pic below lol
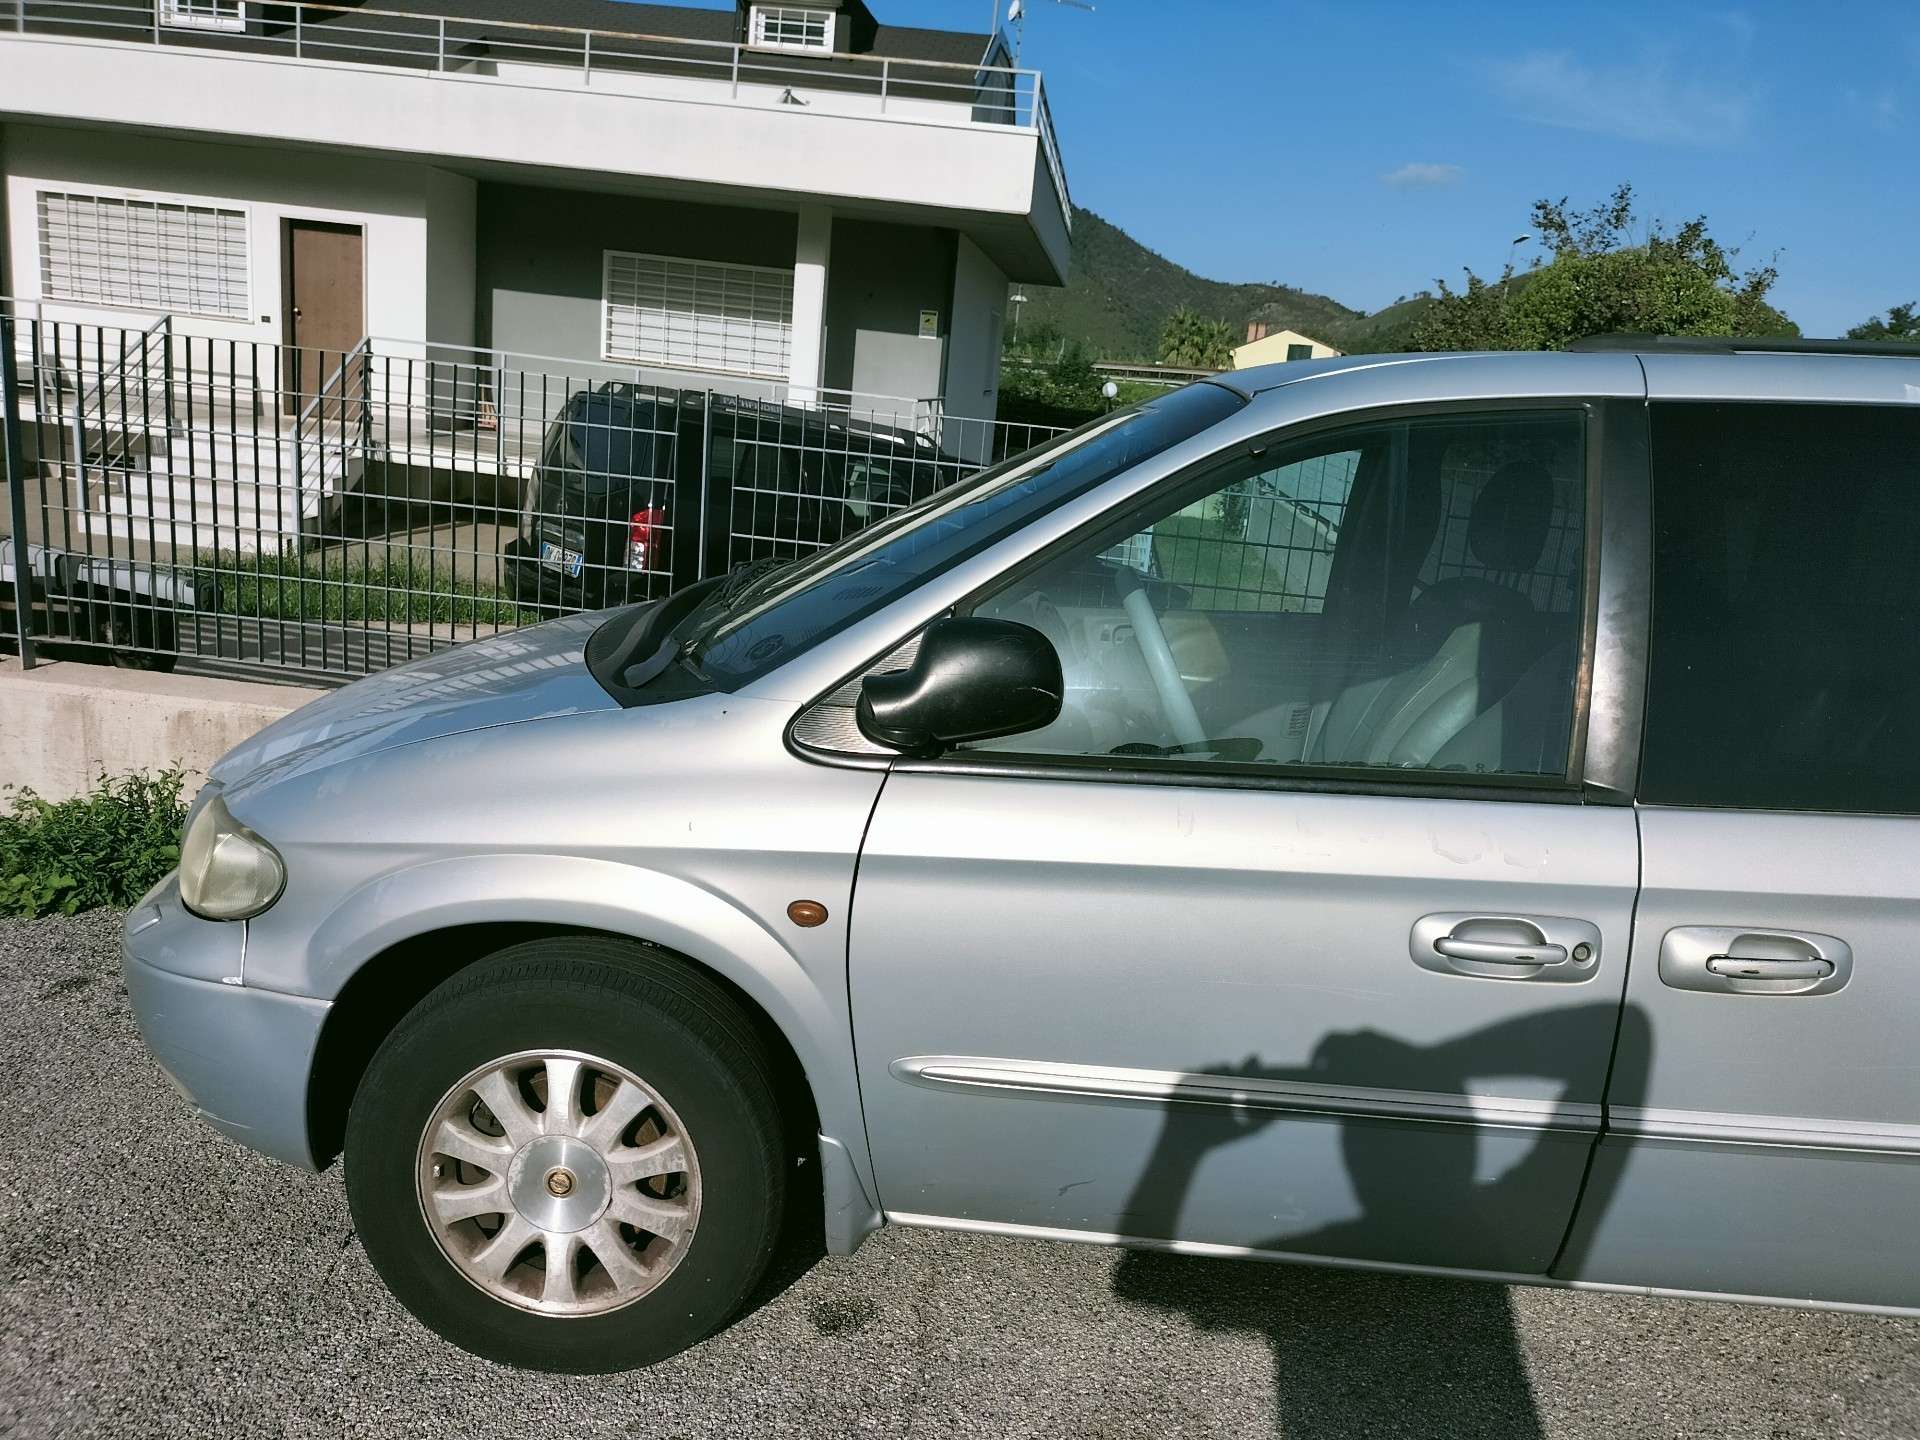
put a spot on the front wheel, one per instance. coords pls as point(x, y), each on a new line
point(568, 1157)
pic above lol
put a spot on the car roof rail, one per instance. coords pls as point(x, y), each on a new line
point(1742, 345)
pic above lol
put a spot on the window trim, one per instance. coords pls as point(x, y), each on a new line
point(172, 15)
point(1569, 787)
point(759, 15)
point(610, 254)
point(244, 209)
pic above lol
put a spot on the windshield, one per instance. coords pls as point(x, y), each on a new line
point(796, 607)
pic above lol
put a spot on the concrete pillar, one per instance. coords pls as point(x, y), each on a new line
point(812, 248)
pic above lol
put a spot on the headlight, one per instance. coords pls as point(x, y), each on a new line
point(226, 871)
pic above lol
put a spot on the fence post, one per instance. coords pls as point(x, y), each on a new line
point(298, 37)
point(587, 60)
point(80, 412)
point(885, 69)
point(166, 376)
point(706, 488)
point(15, 473)
point(299, 483)
point(442, 60)
point(365, 440)
point(736, 72)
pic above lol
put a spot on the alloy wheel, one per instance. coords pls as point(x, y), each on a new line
point(558, 1183)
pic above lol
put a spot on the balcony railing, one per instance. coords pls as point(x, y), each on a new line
point(656, 65)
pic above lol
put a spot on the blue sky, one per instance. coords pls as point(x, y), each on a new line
point(1359, 148)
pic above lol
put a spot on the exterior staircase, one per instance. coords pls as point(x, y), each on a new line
point(230, 488)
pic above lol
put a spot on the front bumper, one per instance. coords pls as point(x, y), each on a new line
point(241, 1056)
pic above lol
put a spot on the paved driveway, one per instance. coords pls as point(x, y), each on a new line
point(156, 1279)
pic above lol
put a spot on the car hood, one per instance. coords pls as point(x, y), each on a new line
point(505, 679)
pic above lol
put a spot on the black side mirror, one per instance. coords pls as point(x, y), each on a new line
point(972, 680)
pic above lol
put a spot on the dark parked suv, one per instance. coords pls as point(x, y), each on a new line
point(621, 506)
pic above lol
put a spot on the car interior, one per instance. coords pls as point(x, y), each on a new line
point(1404, 595)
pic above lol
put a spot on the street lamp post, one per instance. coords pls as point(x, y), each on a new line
point(1019, 298)
point(1506, 271)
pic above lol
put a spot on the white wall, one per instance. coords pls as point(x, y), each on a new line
point(972, 389)
point(63, 725)
point(451, 249)
point(415, 287)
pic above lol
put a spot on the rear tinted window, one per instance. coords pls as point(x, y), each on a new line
point(1786, 608)
point(614, 437)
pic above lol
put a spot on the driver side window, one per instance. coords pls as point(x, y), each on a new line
point(1400, 596)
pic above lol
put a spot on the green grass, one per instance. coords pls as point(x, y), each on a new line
point(316, 587)
point(1220, 569)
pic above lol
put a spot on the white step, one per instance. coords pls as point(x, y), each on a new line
point(198, 511)
point(181, 537)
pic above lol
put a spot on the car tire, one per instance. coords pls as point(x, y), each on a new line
point(641, 1028)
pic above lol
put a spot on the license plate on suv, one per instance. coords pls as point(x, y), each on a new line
point(556, 558)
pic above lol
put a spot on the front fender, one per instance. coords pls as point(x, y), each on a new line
point(588, 893)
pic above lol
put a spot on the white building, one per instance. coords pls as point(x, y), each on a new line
point(1265, 345)
point(775, 199)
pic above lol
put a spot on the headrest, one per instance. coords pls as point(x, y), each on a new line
point(1508, 527)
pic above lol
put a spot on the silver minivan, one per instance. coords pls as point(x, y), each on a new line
point(1456, 814)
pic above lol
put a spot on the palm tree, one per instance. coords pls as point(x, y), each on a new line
point(1190, 338)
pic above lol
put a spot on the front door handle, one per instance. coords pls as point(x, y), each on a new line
point(1543, 949)
point(1736, 960)
point(1501, 952)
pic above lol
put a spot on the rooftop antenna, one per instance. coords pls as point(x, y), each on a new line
point(1017, 18)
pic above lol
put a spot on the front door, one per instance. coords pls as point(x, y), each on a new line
point(324, 302)
point(1775, 1150)
point(1285, 937)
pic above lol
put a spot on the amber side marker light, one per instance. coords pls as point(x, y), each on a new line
point(807, 913)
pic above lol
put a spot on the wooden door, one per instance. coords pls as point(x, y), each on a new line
point(324, 304)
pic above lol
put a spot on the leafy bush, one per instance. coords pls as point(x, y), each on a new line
point(1059, 387)
point(105, 848)
point(1608, 274)
point(1901, 322)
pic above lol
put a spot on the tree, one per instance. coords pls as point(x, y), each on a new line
point(1190, 338)
point(1602, 280)
point(1902, 322)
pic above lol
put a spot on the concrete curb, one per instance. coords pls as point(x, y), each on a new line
point(62, 725)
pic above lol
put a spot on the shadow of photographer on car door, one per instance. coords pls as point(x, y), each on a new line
point(1359, 1353)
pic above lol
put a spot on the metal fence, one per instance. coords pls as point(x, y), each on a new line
point(253, 507)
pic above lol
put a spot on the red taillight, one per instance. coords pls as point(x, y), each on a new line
point(640, 537)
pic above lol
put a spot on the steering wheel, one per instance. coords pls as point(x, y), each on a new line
point(1175, 703)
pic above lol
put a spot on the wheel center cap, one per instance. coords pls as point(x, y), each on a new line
point(558, 1183)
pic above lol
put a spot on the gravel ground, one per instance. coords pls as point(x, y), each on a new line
point(157, 1279)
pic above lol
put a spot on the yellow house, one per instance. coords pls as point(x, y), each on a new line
point(1264, 346)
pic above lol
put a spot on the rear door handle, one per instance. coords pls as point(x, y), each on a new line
point(1736, 967)
point(1738, 960)
point(1543, 949)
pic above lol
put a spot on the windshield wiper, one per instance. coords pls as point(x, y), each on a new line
point(746, 577)
point(739, 582)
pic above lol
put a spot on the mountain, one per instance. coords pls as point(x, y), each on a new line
point(1119, 293)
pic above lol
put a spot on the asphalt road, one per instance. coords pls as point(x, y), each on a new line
point(157, 1279)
